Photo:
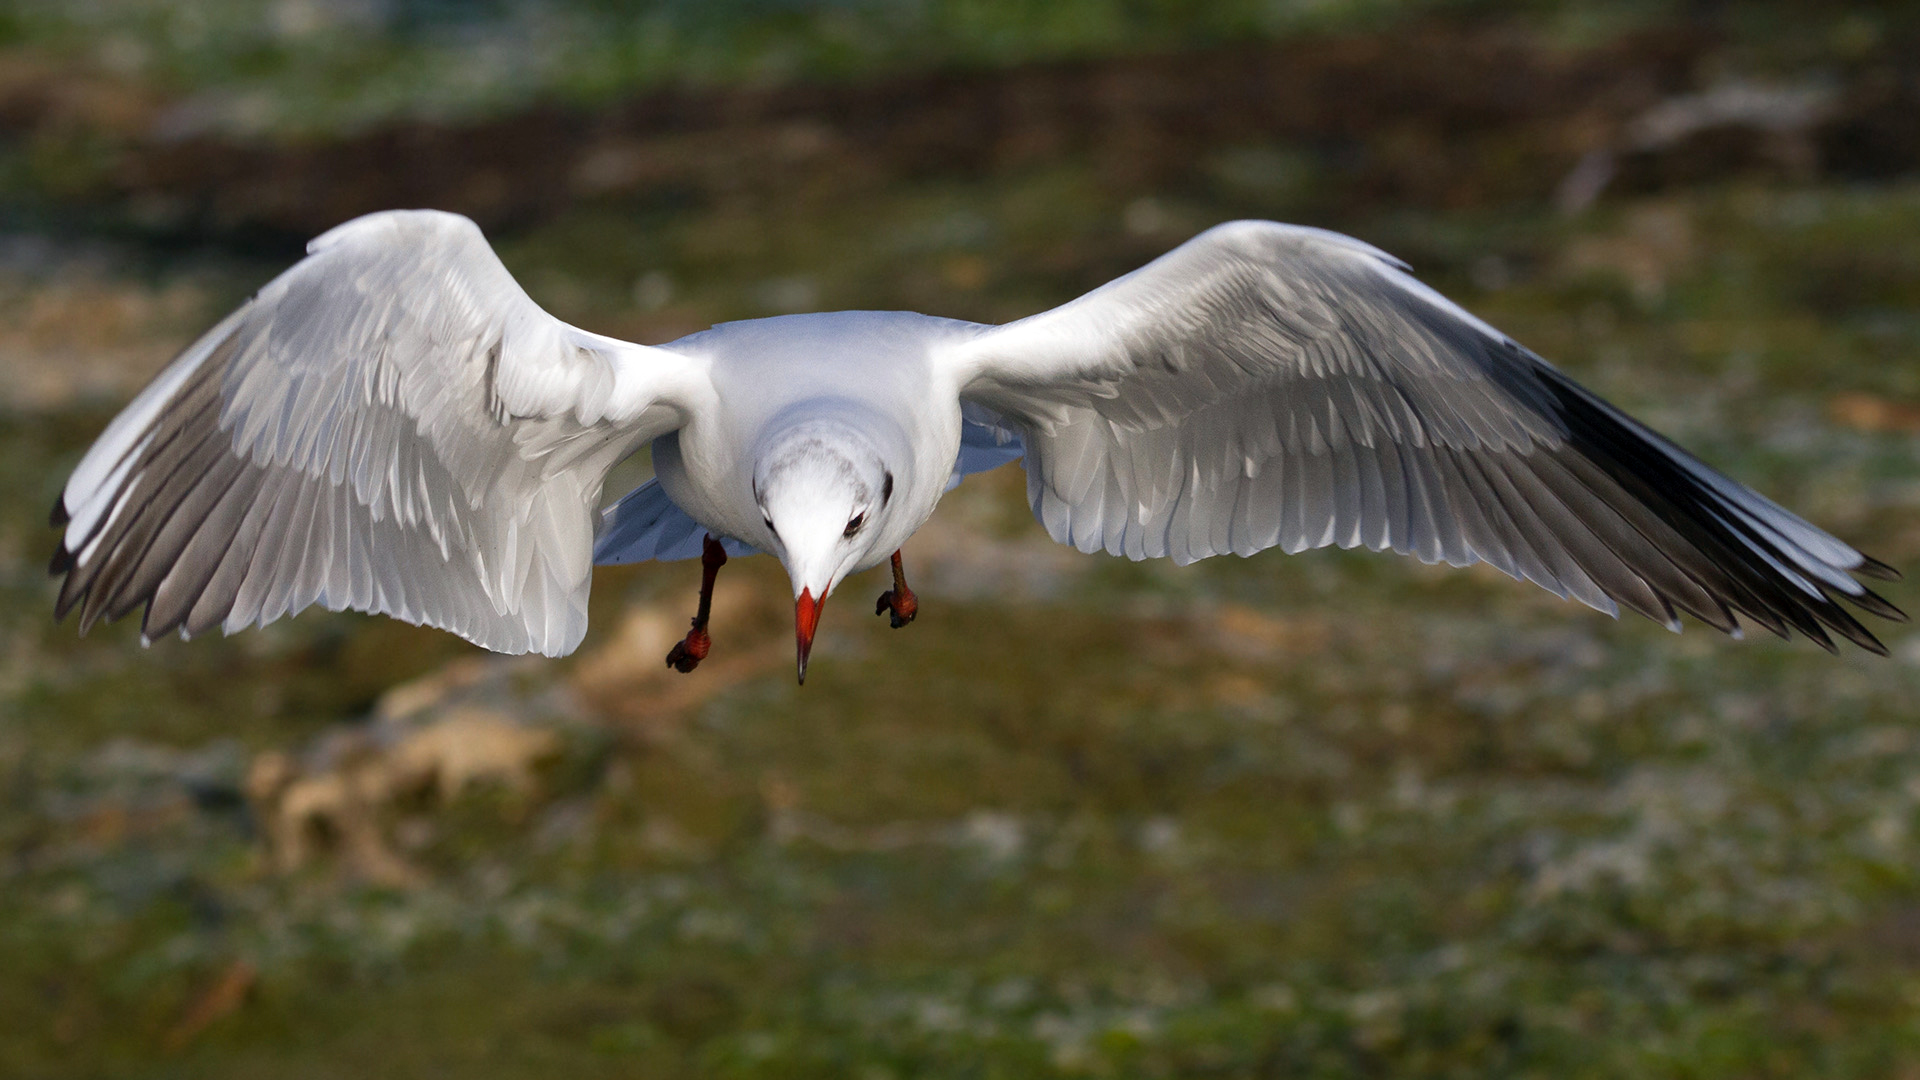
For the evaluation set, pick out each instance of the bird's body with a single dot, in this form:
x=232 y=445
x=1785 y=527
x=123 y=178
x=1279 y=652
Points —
x=871 y=371
x=394 y=426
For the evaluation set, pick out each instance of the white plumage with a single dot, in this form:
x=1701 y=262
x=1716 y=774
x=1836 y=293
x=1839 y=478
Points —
x=394 y=426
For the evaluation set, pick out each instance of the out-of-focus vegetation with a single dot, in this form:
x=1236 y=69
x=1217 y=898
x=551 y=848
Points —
x=318 y=65
x=1336 y=814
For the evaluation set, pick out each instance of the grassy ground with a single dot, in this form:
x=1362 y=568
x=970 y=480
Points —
x=1336 y=814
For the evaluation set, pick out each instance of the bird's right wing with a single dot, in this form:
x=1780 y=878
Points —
x=393 y=426
x=1268 y=385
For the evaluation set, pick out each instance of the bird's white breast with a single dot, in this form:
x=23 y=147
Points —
x=872 y=368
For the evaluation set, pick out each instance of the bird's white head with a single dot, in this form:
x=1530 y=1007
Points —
x=824 y=489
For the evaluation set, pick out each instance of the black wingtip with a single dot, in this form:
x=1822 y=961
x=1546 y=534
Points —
x=1859 y=635
x=1874 y=604
x=1749 y=571
x=1824 y=640
x=1874 y=568
x=1849 y=627
x=61 y=562
x=58 y=517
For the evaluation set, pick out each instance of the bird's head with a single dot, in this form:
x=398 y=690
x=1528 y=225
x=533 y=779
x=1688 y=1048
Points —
x=823 y=489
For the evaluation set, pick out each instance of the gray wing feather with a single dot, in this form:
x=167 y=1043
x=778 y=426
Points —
x=646 y=524
x=390 y=426
x=1267 y=385
x=986 y=442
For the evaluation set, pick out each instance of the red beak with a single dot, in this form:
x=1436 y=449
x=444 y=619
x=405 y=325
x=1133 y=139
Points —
x=806 y=616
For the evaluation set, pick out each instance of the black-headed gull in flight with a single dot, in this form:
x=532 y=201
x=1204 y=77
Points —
x=393 y=426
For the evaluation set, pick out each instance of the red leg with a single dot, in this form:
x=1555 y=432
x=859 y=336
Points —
x=687 y=654
x=899 y=601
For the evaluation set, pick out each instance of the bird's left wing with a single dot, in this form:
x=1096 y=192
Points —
x=392 y=425
x=1267 y=385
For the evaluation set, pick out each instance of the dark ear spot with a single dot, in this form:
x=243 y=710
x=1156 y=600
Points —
x=886 y=490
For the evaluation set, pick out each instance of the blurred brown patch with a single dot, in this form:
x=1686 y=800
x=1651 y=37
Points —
x=1388 y=113
x=1383 y=118
x=1657 y=241
x=627 y=677
x=1864 y=412
x=433 y=738
x=40 y=95
x=1247 y=634
x=466 y=746
x=88 y=337
x=228 y=991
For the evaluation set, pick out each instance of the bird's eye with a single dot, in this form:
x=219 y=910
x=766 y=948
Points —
x=853 y=526
x=886 y=490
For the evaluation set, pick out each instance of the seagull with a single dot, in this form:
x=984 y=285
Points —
x=393 y=426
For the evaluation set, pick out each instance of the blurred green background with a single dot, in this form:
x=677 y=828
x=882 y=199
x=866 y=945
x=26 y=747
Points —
x=1336 y=814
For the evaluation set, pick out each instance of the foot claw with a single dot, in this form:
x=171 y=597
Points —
x=899 y=607
x=687 y=653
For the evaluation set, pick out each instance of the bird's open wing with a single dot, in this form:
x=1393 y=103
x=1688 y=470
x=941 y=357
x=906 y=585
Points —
x=1267 y=385
x=392 y=425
